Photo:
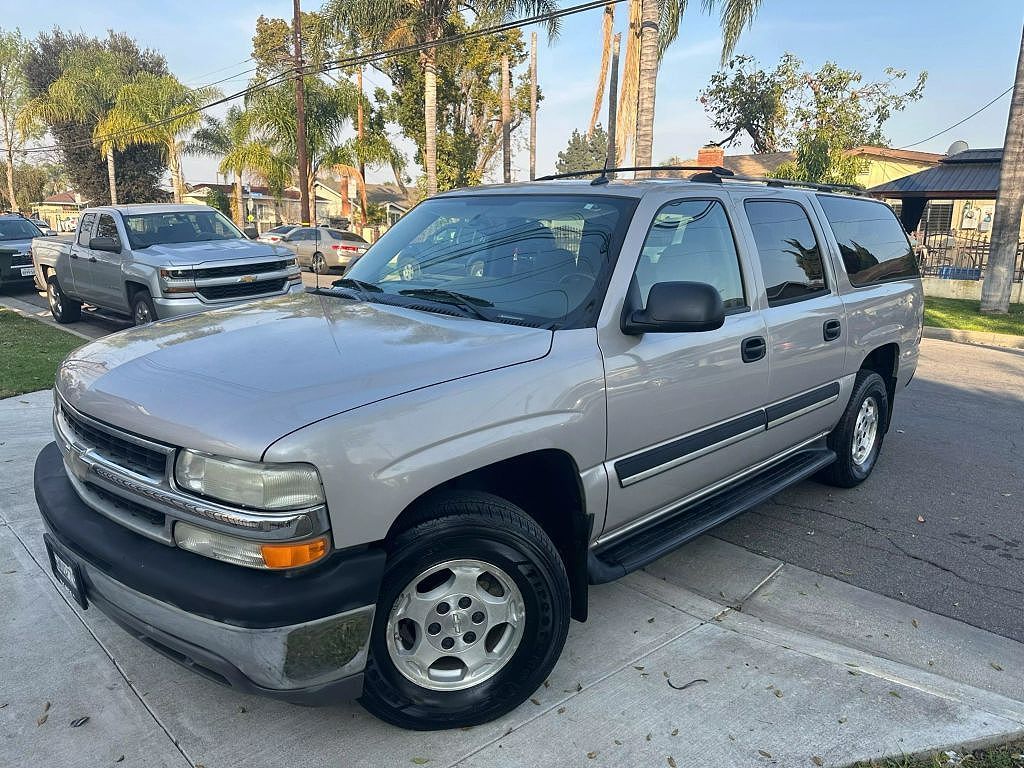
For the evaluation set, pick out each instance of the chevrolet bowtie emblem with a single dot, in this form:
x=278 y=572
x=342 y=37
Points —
x=247 y=279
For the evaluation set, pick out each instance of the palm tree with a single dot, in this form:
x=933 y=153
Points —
x=607 y=28
x=995 y=291
x=155 y=109
x=241 y=151
x=393 y=23
x=85 y=92
x=653 y=27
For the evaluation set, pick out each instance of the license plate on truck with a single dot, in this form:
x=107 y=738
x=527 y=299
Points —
x=27 y=271
x=66 y=572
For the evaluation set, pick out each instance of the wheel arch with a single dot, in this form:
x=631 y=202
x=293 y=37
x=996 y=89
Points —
x=546 y=484
x=885 y=361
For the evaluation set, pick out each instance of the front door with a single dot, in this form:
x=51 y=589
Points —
x=684 y=409
x=106 y=274
x=805 y=318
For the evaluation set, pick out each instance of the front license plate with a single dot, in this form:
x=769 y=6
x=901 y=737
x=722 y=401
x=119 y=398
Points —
x=27 y=271
x=67 y=574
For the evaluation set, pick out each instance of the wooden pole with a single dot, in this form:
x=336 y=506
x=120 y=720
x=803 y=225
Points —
x=301 y=154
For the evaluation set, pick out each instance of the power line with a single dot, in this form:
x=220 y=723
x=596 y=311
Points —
x=350 y=61
x=961 y=122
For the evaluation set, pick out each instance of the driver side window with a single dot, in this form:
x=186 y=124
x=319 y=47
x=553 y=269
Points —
x=691 y=240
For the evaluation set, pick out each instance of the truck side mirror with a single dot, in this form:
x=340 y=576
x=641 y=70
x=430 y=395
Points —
x=109 y=244
x=251 y=232
x=677 y=307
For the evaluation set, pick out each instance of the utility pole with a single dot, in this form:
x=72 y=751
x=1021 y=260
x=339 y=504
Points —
x=1002 y=257
x=506 y=121
x=533 y=106
x=301 y=156
x=613 y=102
x=359 y=135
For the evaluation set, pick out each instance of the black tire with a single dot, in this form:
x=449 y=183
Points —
x=318 y=264
x=63 y=308
x=847 y=472
x=488 y=529
x=143 y=308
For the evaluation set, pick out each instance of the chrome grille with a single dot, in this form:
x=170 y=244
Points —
x=241 y=289
x=236 y=270
x=21 y=260
x=133 y=457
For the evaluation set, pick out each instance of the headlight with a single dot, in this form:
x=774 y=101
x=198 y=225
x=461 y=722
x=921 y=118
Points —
x=248 y=483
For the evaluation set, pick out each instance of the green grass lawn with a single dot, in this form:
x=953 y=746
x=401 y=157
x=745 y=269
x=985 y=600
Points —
x=963 y=315
x=30 y=352
x=1006 y=756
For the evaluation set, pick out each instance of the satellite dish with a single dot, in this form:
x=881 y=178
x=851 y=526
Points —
x=956 y=148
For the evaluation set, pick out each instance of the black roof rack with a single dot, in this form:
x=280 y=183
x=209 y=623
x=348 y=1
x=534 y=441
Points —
x=708 y=173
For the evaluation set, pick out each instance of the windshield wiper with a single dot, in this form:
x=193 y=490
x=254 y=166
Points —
x=356 y=288
x=469 y=304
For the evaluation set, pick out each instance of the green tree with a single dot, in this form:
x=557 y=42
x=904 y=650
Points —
x=159 y=110
x=218 y=200
x=834 y=111
x=241 y=151
x=35 y=181
x=584 y=152
x=138 y=169
x=13 y=97
x=742 y=98
x=390 y=23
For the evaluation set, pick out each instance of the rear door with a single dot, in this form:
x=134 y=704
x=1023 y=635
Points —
x=805 y=317
x=684 y=409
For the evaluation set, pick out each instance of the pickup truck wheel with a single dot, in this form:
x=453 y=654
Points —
x=143 y=309
x=857 y=439
x=64 y=309
x=472 y=616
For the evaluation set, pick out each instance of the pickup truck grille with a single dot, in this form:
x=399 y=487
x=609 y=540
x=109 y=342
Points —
x=237 y=290
x=21 y=260
x=113 y=448
x=243 y=269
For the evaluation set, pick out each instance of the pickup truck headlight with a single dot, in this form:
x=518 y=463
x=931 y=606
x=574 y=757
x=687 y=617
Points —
x=248 y=483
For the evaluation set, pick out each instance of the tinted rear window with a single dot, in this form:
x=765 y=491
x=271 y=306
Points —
x=871 y=240
x=788 y=250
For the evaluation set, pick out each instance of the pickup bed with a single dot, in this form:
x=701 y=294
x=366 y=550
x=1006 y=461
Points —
x=157 y=261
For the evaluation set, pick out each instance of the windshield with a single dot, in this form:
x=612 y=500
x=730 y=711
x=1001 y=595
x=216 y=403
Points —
x=146 y=229
x=18 y=229
x=283 y=230
x=535 y=259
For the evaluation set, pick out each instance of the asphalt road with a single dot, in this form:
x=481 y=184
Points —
x=953 y=456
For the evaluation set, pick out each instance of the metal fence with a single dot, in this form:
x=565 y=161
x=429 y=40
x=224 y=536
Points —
x=959 y=255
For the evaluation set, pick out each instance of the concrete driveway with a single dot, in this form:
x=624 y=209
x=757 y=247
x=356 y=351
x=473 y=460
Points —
x=715 y=655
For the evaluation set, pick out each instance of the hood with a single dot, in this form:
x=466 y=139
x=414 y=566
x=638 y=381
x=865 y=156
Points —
x=21 y=245
x=188 y=254
x=234 y=380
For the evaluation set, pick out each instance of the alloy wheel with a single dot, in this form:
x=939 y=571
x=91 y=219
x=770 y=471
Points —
x=865 y=431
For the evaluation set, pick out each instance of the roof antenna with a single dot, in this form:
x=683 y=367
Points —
x=603 y=178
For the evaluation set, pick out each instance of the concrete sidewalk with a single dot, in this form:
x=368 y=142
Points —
x=713 y=656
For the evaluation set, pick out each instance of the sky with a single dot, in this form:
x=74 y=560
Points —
x=969 y=52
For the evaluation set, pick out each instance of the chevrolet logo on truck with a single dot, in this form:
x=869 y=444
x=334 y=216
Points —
x=247 y=279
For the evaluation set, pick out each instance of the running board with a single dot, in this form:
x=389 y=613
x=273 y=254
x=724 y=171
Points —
x=647 y=543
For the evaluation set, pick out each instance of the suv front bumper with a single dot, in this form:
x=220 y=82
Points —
x=300 y=637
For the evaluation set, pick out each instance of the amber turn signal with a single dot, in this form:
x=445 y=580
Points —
x=294 y=555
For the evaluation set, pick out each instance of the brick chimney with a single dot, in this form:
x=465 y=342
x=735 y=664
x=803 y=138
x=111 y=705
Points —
x=709 y=154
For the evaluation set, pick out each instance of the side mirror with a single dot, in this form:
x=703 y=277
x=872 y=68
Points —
x=109 y=244
x=677 y=307
x=251 y=232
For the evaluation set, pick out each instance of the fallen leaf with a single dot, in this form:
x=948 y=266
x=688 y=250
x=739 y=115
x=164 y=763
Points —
x=79 y=722
x=641 y=669
x=41 y=719
x=3 y=705
x=579 y=687
x=534 y=701
x=914 y=622
x=592 y=755
x=762 y=753
x=685 y=685
x=895 y=694
x=671 y=762
x=561 y=710
x=242 y=710
x=920 y=518
x=420 y=761
x=547 y=683
x=648 y=737
x=817 y=760
x=617 y=742
x=675 y=731
x=995 y=666
x=778 y=693
x=842 y=719
x=46 y=707
x=731 y=737
x=120 y=759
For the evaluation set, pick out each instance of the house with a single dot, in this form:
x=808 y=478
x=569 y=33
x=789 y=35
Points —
x=880 y=163
x=263 y=209
x=60 y=211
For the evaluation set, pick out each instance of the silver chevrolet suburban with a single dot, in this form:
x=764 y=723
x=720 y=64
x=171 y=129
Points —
x=398 y=487
x=156 y=261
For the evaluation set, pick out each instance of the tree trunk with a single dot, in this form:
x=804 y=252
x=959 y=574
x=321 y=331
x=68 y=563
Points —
x=110 y=177
x=626 y=126
x=430 y=118
x=602 y=77
x=613 y=92
x=533 y=106
x=10 y=177
x=177 y=182
x=646 y=84
x=506 y=121
x=239 y=203
x=362 y=165
x=995 y=291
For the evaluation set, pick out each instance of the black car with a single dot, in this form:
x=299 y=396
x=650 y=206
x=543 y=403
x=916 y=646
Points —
x=16 y=233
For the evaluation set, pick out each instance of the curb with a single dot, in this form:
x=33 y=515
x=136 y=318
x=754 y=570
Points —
x=28 y=310
x=985 y=338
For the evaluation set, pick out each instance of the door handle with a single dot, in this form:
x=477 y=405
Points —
x=753 y=349
x=831 y=330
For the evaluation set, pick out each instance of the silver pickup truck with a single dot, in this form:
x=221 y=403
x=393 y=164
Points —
x=157 y=261
x=399 y=487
